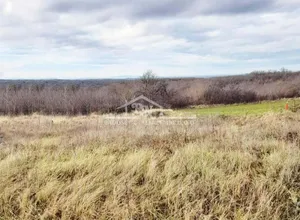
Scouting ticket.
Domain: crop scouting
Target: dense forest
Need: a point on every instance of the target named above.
(86, 96)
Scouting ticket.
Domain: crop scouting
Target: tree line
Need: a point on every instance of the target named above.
(73, 99)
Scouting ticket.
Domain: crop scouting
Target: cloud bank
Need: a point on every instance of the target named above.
(103, 39)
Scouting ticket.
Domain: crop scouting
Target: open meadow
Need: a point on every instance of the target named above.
(98, 167)
(258, 108)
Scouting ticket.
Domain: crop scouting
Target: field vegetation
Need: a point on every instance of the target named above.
(257, 108)
(100, 167)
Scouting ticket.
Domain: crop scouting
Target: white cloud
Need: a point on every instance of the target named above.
(7, 7)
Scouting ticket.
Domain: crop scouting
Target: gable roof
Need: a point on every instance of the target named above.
(139, 98)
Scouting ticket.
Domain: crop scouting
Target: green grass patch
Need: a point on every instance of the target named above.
(241, 109)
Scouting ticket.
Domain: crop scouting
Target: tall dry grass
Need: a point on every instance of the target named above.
(141, 168)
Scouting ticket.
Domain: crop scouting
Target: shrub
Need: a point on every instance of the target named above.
(216, 95)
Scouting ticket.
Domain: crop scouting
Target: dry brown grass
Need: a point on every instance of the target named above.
(142, 168)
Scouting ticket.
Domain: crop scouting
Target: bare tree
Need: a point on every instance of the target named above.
(149, 78)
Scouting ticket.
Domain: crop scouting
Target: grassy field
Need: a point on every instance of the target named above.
(242, 109)
(93, 167)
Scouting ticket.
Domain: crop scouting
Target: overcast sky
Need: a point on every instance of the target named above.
(122, 38)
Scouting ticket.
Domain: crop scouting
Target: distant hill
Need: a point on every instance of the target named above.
(60, 82)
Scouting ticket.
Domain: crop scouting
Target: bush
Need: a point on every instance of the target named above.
(216, 95)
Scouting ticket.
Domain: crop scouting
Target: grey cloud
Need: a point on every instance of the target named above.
(57, 32)
(164, 8)
(47, 29)
(194, 7)
(239, 6)
(69, 38)
(63, 37)
(83, 5)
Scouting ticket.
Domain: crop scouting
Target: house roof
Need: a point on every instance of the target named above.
(139, 98)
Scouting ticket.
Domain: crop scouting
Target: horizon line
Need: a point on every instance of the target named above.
(132, 77)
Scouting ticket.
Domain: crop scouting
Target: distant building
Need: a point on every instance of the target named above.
(139, 104)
